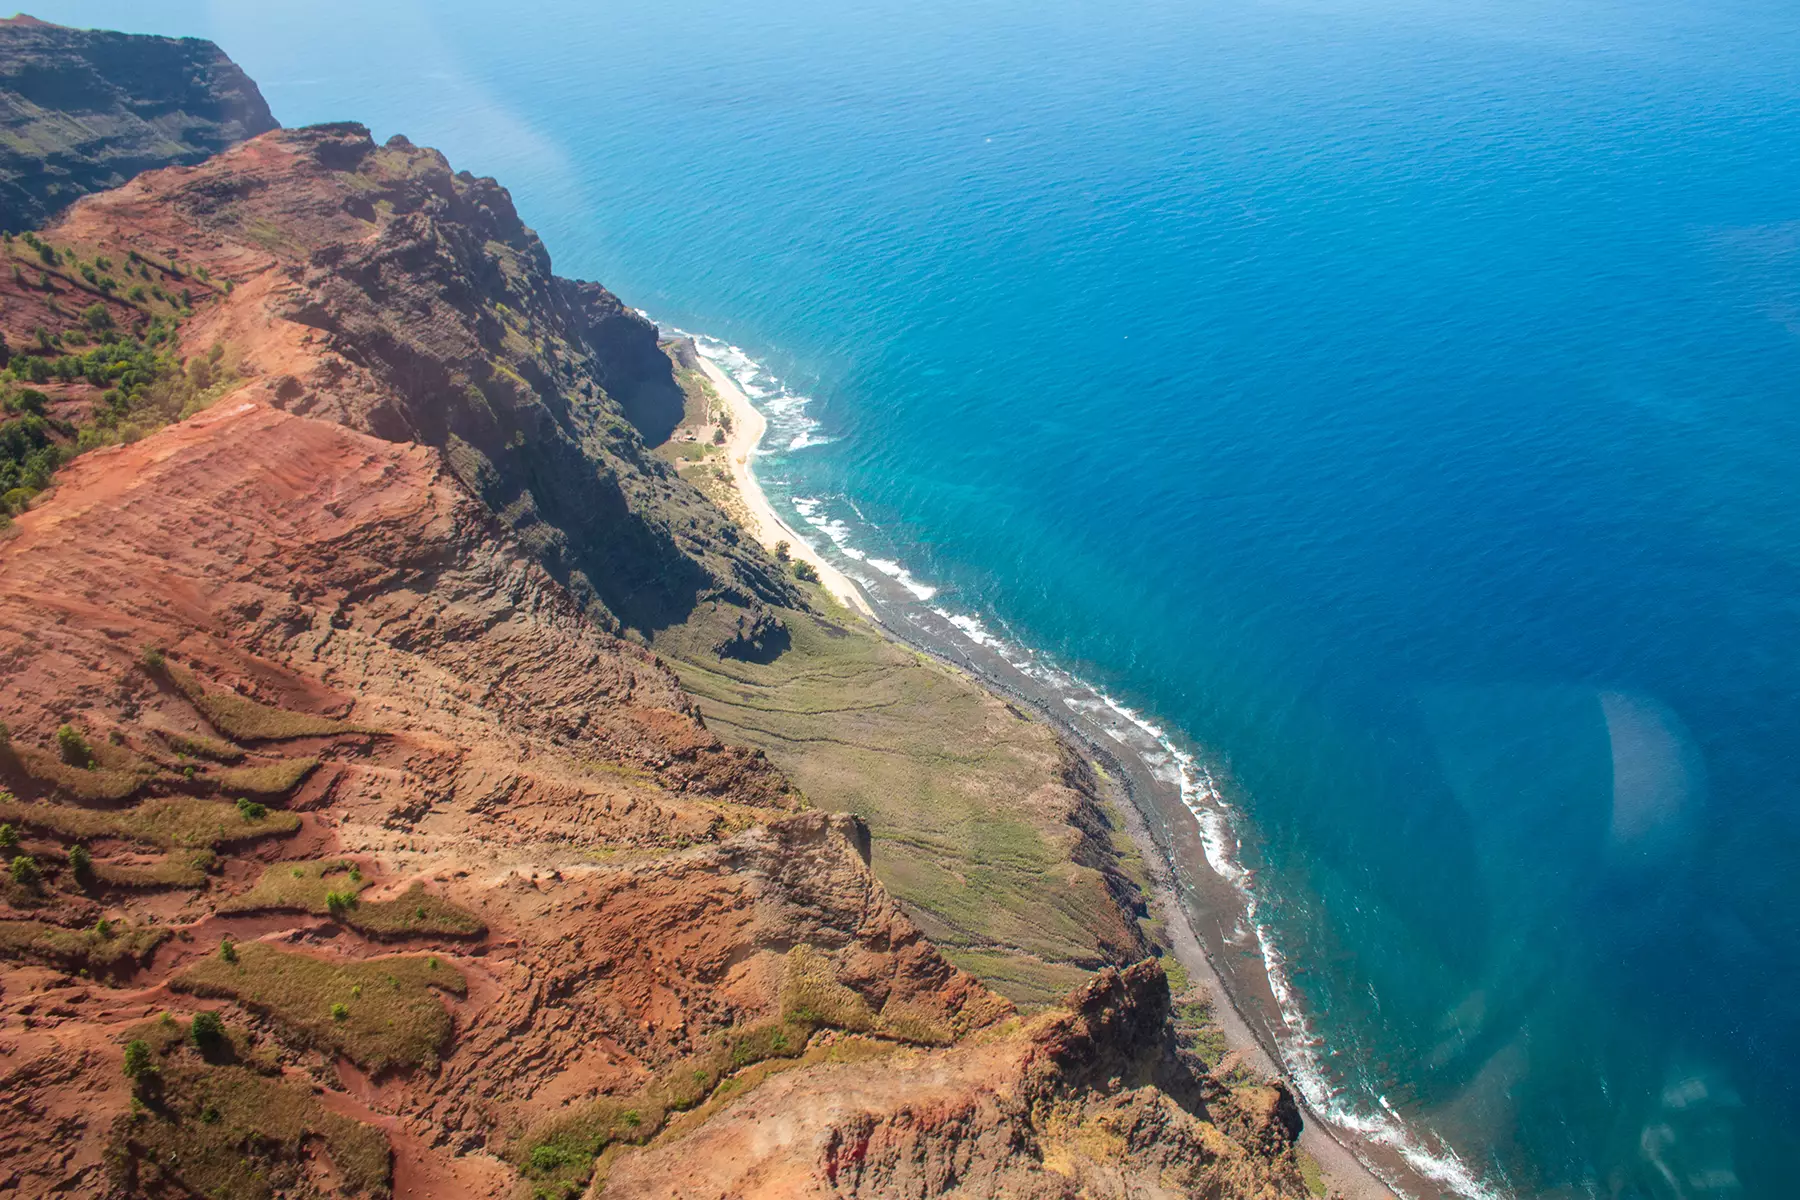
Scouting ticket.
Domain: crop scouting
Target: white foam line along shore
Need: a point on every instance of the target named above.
(1300, 1049)
(747, 429)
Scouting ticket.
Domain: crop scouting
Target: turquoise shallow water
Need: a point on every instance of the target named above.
(1397, 398)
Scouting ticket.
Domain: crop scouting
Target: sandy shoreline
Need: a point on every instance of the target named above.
(1347, 1174)
(747, 429)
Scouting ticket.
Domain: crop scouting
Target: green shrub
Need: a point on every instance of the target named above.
(805, 572)
(340, 1011)
(80, 861)
(74, 748)
(207, 1032)
(9, 838)
(548, 1158)
(25, 871)
(251, 810)
(138, 1060)
(97, 317)
(228, 950)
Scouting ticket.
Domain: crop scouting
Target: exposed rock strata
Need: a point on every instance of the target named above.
(381, 579)
(375, 287)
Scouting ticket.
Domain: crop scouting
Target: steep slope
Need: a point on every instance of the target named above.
(85, 110)
(357, 846)
(502, 896)
(372, 286)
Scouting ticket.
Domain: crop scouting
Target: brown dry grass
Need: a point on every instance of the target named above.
(120, 950)
(168, 821)
(230, 1126)
(267, 781)
(391, 1018)
(298, 887)
(244, 720)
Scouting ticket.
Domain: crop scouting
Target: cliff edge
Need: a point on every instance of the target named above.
(85, 110)
(358, 845)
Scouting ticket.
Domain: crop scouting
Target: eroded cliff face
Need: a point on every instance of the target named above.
(361, 854)
(375, 287)
(85, 110)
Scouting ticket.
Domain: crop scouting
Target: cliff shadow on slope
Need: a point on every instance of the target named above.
(374, 286)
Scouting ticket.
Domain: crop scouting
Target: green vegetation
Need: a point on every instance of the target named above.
(218, 1120)
(393, 1021)
(141, 383)
(172, 822)
(1195, 1025)
(685, 452)
(74, 748)
(24, 871)
(1313, 1176)
(115, 950)
(962, 792)
(139, 1061)
(207, 1033)
(805, 572)
(558, 1157)
(416, 913)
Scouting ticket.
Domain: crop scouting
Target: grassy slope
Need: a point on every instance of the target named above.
(962, 793)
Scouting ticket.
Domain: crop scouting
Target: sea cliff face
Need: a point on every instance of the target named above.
(360, 847)
(84, 110)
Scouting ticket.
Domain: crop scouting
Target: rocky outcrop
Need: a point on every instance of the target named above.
(375, 287)
(85, 110)
(1082, 1104)
(365, 851)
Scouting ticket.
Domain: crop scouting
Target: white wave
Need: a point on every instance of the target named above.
(1298, 1044)
(832, 527)
(903, 577)
(971, 627)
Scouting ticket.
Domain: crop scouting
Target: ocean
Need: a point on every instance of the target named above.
(1393, 404)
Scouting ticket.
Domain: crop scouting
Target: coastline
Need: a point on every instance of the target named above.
(1246, 1022)
(748, 426)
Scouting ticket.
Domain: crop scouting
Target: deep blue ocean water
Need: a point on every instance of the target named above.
(1401, 398)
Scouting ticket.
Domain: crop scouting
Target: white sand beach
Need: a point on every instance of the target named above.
(747, 429)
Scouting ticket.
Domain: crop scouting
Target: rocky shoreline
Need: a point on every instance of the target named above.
(1197, 906)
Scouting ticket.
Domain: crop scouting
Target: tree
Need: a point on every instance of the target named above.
(207, 1032)
(9, 838)
(75, 749)
(80, 861)
(25, 871)
(139, 1061)
(97, 317)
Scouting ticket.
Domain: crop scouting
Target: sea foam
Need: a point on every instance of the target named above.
(1301, 1049)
